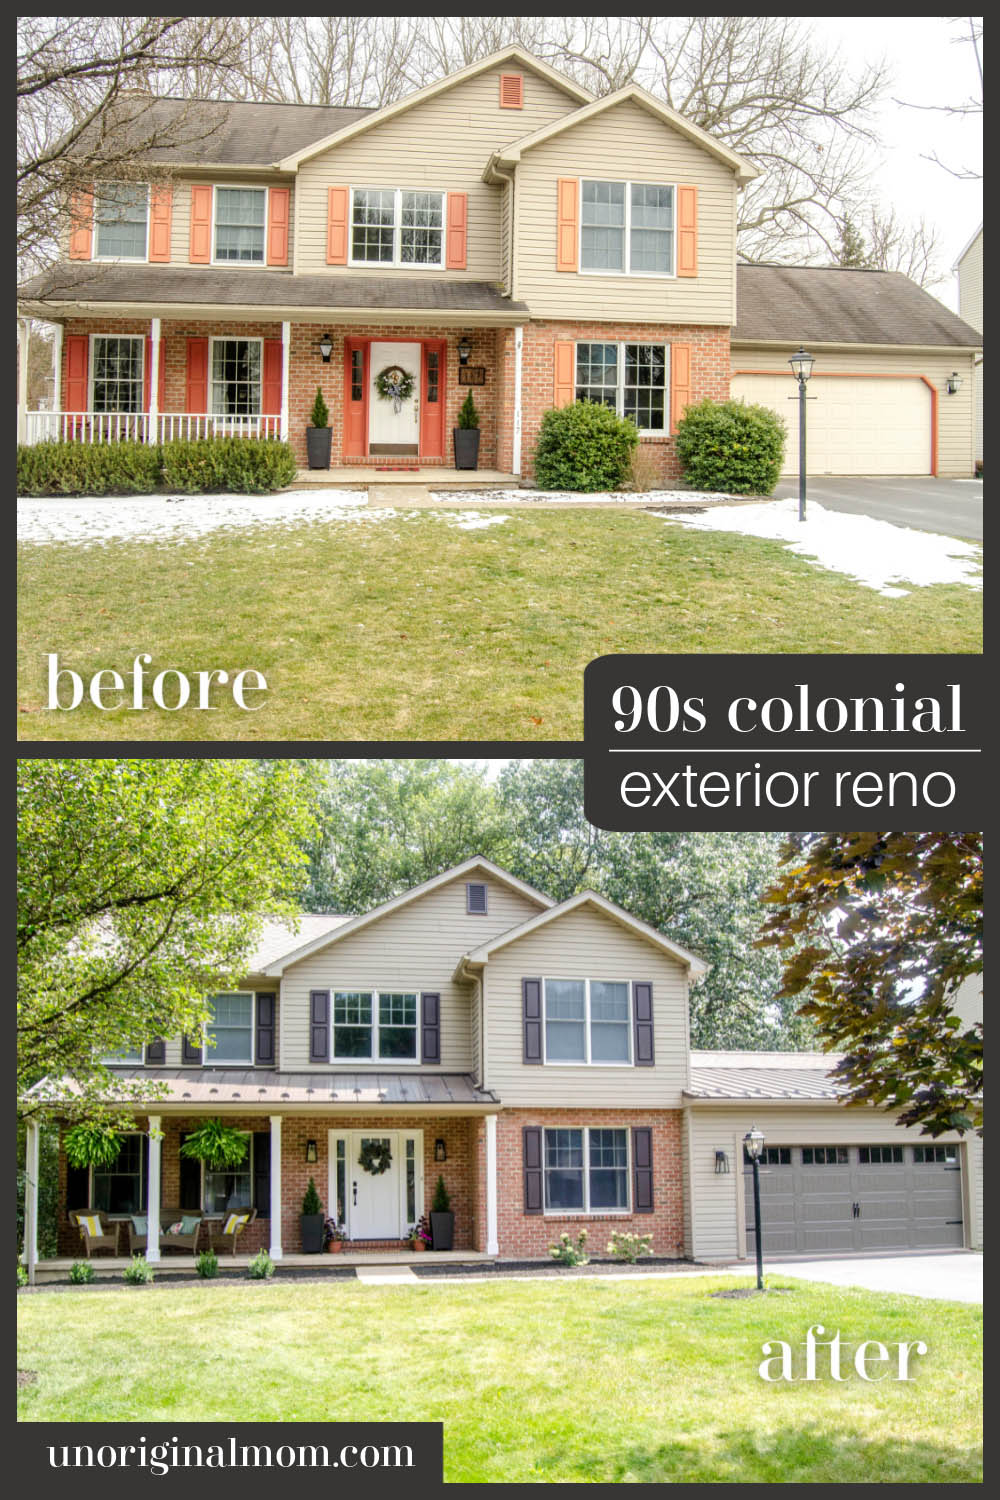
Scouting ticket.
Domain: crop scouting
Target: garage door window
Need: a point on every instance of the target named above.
(942, 1155)
(824, 1156)
(875, 1156)
(771, 1156)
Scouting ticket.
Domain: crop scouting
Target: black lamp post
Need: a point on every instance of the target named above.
(802, 364)
(753, 1141)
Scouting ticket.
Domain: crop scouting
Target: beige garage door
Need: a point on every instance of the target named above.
(874, 425)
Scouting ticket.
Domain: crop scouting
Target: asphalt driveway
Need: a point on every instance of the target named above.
(952, 1275)
(952, 506)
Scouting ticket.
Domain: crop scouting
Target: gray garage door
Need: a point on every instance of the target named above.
(816, 1199)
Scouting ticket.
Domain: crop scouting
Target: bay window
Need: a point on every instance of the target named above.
(627, 227)
(587, 1021)
(631, 379)
(240, 218)
(397, 227)
(586, 1170)
(373, 1024)
(121, 216)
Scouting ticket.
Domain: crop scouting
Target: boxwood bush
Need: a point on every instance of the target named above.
(245, 466)
(584, 447)
(731, 447)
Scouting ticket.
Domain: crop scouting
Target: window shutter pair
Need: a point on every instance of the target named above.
(319, 1027)
(266, 1015)
(642, 1169)
(338, 228)
(642, 1022)
(568, 226)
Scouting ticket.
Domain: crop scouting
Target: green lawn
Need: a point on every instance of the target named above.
(409, 628)
(568, 1381)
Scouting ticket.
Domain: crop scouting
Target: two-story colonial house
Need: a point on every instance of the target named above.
(533, 1053)
(500, 231)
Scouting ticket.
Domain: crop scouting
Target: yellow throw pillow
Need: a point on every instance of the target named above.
(91, 1223)
(234, 1222)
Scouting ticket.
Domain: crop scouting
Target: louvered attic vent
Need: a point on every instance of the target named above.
(511, 91)
(475, 899)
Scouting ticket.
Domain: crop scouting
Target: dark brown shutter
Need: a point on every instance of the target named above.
(77, 1188)
(319, 1025)
(430, 1028)
(642, 1000)
(265, 1029)
(262, 1173)
(156, 1053)
(190, 1054)
(532, 1169)
(642, 1169)
(531, 1001)
(190, 1181)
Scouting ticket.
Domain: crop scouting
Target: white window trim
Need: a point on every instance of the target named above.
(91, 365)
(233, 338)
(629, 183)
(241, 265)
(654, 432)
(397, 213)
(586, 1062)
(221, 1213)
(587, 1212)
(374, 1060)
(208, 1052)
(130, 260)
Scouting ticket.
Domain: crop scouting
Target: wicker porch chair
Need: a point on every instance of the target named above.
(179, 1241)
(219, 1239)
(84, 1219)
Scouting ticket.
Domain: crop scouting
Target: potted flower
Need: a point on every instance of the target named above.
(466, 435)
(420, 1234)
(442, 1218)
(333, 1237)
(319, 434)
(312, 1221)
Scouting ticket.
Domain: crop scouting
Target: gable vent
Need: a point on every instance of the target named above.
(511, 91)
(475, 893)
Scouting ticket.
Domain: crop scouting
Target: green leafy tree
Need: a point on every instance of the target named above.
(142, 886)
(877, 932)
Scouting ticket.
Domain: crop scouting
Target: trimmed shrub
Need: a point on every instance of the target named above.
(731, 448)
(584, 447)
(57, 468)
(468, 413)
(261, 1266)
(207, 1264)
(243, 466)
(138, 1272)
(22, 1274)
(320, 414)
(81, 1273)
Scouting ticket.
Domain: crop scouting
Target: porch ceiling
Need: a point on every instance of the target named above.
(208, 292)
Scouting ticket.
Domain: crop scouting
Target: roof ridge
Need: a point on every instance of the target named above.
(256, 103)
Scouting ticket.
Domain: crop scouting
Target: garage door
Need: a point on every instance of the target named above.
(817, 1199)
(875, 425)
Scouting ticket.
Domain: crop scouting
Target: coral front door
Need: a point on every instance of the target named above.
(394, 399)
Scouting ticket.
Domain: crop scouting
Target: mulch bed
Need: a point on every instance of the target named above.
(191, 1278)
(487, 1270)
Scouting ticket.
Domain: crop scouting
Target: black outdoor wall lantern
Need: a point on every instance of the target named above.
(326, 348)
(440, 1150)
(311, 1156)
(953, 383)
(721, 1163)
(464, 350)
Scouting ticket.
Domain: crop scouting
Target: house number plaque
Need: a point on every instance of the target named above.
(472, 374)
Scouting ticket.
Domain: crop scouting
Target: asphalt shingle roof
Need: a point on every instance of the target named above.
(242, 134)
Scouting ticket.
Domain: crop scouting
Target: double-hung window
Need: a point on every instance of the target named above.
(586, 1170)
(397, 227)
(121, 218)
(119, 1187)
(627, 227)
(230, 1029)
(632, 379)
(229, 1188)
(373, 1024)
(240, 219)
(587, 1021)
(117, 366)
(236, 377)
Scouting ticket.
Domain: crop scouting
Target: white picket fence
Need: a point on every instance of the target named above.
(111, 427)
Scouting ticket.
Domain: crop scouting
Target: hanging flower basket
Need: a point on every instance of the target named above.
(394, 384)
(375, 1158)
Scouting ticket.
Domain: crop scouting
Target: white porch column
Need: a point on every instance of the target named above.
(492, 1246)
(31, 1199)
(275, 1251)
(153, 1192)
(518, 357)
(154, 379)
(57, 351)
(286, 354)
(22, 379)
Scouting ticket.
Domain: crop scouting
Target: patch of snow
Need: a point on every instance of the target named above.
(571, 497)
(877, 554)
(472, 520)
(92, 520)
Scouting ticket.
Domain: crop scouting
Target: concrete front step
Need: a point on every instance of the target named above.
(363, 476)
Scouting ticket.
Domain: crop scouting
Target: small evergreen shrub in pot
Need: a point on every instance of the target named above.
(81, 1273)
(442, 1218)
(466, 435)
(319, 434)
(731, 448)
(312, 1221)
(585, 447)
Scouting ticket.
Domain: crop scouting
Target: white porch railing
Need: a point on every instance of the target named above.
(111, 427)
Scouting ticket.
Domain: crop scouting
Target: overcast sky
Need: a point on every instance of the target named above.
(928, 68)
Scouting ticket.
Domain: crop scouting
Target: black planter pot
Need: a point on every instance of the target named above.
(466, 447)
(318, 441)
(312, 1225)
(443, 1225)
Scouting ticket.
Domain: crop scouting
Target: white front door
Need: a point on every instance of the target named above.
(381, 1205)
(394, 422)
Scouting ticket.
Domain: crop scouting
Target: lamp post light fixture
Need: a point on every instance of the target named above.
(464, 350)
(326, 348)
(753, 1142)
(802, 364)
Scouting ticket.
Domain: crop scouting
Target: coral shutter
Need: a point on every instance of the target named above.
(161, 209)
(565, 375)
(279, 199)
(196, 399)
(567, 222)
(81, 232)
(458, 218)
(680, 382)
(77, 348)
(270, 380)
(687, 231)
(336, 226)
(200, 248)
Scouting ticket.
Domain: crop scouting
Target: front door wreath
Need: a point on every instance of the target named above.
(394, 384)
(376, 1156)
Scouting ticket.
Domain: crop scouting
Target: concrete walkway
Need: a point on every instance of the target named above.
(951, 1276)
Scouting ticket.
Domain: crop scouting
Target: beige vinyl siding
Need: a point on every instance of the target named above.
(625, 142)
(974, 1190)
(718, 1224)
(180, 223)
(416, 947)
(585, 944)
(443, 143)
(172, 1053)
(955, 413)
